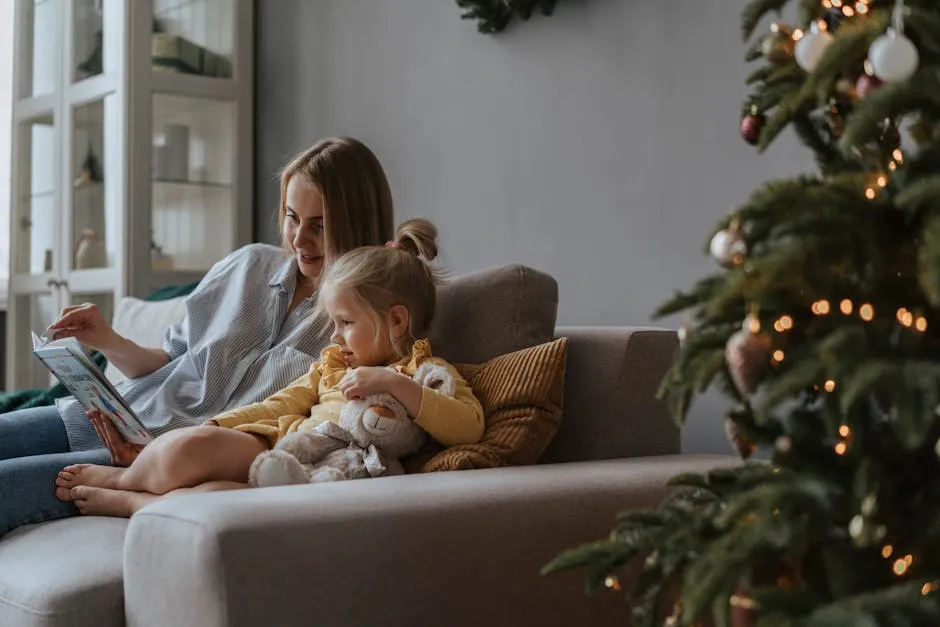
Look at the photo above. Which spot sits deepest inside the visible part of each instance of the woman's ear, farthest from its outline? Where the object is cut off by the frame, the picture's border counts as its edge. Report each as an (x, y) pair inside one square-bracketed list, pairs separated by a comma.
[(398, 321)]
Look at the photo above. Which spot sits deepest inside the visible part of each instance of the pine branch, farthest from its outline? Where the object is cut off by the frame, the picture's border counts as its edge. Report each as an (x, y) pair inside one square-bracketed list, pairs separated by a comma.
[(928, 258), (888, 101), (754, 12)]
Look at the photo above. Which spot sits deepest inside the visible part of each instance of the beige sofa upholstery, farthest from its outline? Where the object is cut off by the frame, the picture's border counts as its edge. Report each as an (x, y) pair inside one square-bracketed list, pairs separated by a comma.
[(459, 548)]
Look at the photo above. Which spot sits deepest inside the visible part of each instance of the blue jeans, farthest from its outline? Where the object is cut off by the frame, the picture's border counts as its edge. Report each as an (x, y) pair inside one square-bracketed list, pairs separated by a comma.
[(33, 449)]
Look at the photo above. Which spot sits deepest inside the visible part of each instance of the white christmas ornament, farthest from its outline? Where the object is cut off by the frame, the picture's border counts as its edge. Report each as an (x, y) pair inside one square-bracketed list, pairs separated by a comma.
[(893, 57), (811, 47)]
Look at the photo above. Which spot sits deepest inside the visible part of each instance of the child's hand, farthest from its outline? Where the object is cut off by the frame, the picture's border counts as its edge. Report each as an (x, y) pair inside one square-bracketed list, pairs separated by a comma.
[(367, 380)]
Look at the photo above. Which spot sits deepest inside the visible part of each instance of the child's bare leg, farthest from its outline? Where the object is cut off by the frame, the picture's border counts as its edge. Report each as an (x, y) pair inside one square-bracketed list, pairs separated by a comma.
[(179, 459), (95, 501)]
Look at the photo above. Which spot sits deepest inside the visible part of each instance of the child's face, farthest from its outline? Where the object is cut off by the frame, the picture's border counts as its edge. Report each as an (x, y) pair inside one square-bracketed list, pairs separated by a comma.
[(355, 332), (303, 226)]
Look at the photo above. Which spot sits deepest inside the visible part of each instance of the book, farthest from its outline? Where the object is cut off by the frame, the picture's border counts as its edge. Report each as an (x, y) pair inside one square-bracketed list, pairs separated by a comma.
[(66, 359)]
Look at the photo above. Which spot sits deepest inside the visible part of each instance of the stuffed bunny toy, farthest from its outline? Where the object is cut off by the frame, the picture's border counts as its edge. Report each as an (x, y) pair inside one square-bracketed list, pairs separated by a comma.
[(371, 436)]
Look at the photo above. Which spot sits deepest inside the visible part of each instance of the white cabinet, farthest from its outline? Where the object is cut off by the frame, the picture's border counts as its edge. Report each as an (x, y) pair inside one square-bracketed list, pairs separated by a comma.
[(132, 154)]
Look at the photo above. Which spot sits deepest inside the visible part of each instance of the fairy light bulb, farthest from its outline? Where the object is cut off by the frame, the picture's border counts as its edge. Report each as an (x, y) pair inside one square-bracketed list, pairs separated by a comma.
[(846, 306), (844, 431), (921, 324), (886, 551), (866, 312), (882, 181), (893, 166), (829, 386), (820, 307), (612, 582), (870, 193), (898, 155), (841, 448), (861, 8), (778, 355)]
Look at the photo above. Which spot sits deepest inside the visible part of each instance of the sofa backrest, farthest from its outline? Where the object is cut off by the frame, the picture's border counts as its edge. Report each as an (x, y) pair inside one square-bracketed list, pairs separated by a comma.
[(610, 409), (491, 312)]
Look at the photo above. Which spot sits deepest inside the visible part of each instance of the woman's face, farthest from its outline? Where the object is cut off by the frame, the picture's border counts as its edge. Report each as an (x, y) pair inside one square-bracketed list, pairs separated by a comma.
[(303, 226)]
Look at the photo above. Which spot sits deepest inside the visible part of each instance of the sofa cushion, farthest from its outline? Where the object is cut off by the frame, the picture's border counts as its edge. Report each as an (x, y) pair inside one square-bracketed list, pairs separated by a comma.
[(492, 312), (63, 573), (144, 322), (522, 394)]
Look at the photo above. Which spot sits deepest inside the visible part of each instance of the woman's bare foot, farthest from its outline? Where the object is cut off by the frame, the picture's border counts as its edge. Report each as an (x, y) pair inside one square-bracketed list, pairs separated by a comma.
[(86, 475), (95, 501)]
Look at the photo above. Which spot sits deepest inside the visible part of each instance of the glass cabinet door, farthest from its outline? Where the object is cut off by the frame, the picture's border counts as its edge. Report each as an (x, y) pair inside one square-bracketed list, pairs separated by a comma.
[(92, 241), (193, 147), (39, 73), (193, 37), (34, 313), (34, 226)]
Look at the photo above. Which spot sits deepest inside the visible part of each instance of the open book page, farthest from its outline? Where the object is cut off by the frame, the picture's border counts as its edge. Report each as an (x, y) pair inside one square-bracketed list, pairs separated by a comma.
[(66, 359)]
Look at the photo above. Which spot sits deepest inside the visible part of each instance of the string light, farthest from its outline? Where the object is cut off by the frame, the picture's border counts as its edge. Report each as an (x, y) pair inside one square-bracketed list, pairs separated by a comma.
[(612, 582), (778, 355), (921, 324), (820, 307), (892, 166), (905, 317), (866, 312), (753, 324), (870, 193), (898, 155), (861, 8), (798, 34), (841, 448), (829, 386), (929, 587), (785, 323), (836, 3), (827, 4), (844, 431), (886, 551), (882, 181), (848, 11), (846, 306)]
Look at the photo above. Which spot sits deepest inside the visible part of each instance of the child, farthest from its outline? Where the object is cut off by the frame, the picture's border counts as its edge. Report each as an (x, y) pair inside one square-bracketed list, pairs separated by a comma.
[(380, 300)]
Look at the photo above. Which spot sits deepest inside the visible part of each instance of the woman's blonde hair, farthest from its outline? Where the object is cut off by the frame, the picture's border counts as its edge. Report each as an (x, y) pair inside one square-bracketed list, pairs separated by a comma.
[(357, 201), (399, 273)]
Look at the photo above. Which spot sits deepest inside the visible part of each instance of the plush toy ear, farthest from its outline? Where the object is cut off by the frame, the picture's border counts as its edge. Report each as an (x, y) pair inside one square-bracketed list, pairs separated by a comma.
[(436, 377)]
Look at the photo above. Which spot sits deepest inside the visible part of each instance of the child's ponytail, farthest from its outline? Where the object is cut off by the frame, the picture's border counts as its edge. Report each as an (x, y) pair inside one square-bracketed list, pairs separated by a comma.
[(418, 237)]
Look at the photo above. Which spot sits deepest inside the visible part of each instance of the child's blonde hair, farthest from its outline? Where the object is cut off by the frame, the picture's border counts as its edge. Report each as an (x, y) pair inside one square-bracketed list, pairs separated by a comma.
[(399, 273), (357, 201)]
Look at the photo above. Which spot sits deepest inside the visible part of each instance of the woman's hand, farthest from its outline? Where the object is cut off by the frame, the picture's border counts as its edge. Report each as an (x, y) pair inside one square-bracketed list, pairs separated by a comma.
[(366, 380), (86, 324), (123, 453)]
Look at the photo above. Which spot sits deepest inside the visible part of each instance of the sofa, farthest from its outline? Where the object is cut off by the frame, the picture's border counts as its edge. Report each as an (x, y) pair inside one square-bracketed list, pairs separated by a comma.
[(441, 548)]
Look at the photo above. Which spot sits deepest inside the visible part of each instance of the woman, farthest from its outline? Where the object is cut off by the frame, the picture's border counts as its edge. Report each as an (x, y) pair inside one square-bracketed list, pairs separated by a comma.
[(247, 331)]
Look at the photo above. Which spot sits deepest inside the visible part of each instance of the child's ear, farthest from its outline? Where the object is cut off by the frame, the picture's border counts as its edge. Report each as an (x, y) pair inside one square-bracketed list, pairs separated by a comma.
[(398, 320)]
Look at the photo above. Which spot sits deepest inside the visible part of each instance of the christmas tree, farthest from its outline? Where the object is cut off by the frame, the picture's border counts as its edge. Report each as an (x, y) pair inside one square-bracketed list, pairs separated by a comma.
[(821, 325)]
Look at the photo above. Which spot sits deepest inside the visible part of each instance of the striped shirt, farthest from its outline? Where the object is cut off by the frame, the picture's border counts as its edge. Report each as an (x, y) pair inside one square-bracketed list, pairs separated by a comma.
[(236, 345)]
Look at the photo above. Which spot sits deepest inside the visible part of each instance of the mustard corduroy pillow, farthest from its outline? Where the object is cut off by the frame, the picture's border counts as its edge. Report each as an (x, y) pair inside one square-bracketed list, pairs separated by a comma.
[(522, 394)]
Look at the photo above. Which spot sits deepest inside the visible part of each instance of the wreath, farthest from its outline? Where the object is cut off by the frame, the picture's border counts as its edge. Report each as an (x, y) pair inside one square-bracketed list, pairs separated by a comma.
[(494, 15)]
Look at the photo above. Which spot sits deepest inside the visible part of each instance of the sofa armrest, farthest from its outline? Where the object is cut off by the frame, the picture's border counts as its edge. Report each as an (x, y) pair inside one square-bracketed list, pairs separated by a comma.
[(611, 410), (449, 548)]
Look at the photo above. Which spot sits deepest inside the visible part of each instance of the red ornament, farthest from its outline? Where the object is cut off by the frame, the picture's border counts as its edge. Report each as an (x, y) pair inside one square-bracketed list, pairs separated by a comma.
[(751, 127), (867, 84)]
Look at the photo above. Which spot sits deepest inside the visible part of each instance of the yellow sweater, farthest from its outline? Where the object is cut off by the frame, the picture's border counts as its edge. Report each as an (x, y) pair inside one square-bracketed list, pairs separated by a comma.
[(314, 398)]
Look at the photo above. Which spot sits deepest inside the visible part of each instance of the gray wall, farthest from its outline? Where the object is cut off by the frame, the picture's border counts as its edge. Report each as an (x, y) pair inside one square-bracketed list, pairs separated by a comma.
[(600, 145)]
